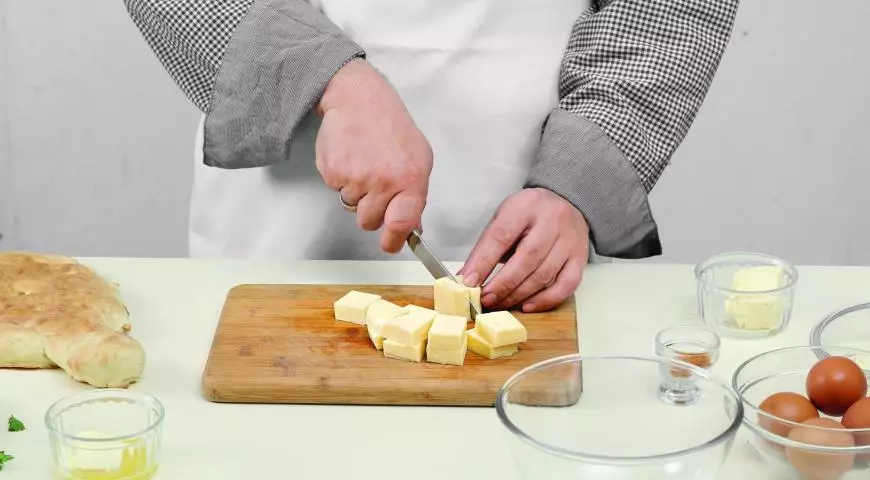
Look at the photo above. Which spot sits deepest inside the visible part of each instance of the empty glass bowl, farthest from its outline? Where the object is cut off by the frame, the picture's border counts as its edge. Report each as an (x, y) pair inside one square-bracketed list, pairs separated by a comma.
[(745, 294), (849, 327), (109, 434), (815, 452), (601, 417)]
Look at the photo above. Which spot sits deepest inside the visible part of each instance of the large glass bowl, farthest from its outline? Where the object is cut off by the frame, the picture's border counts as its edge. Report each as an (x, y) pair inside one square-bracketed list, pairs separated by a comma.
[(604, 418), (785, 370), (849, 327)]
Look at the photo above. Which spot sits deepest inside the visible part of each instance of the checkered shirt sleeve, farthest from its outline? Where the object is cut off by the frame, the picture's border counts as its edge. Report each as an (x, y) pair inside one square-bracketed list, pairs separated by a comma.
[(189, 38)]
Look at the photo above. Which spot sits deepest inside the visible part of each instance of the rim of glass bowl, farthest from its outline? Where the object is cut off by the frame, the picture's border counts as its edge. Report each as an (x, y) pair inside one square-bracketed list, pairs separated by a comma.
[(819, 329), (704, 265), (104, 394), (501, 399), (750, 407)]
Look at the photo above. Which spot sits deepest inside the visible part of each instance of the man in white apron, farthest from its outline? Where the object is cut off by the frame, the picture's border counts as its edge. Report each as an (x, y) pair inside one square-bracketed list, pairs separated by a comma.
[(521, 150)]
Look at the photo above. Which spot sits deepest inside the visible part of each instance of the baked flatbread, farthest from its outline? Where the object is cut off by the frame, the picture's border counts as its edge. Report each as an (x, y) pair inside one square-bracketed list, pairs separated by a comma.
[(56, 312)]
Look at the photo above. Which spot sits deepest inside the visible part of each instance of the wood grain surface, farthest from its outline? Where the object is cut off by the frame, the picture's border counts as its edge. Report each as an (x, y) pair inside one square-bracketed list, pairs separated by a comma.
[(282, 344)]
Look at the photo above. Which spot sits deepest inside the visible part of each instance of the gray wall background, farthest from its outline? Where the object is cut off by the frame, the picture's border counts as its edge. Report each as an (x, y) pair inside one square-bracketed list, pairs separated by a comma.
[(96, 142)]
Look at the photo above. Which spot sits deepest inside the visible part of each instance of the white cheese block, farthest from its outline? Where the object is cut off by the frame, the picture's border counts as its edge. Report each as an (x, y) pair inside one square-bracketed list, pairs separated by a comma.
[(478, 345), (401, 351), (500, 328), (473, 293), (448, 356), (353, 305), (409, 329), (451, 298), (384, 310), (447, 332), (755, 311)]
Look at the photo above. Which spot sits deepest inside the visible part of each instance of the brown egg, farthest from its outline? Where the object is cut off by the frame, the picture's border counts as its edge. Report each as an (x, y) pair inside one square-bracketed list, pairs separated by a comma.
[(858, 416), (787, 406), (821, 465), (834, 384)]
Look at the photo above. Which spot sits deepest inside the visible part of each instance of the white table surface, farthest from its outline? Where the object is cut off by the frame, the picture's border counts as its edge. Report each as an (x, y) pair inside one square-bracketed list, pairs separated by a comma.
[(175, 306)]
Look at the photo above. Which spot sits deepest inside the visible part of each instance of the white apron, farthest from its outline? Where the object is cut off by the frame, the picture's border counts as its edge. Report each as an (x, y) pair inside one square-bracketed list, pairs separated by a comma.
[(479, 78)]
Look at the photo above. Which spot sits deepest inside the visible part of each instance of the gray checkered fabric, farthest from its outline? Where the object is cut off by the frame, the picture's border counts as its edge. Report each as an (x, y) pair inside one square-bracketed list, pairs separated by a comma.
[(189, 37), (634, 75)]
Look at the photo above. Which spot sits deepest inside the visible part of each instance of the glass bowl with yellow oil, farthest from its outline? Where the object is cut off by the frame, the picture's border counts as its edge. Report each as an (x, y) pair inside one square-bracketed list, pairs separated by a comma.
[(106, 434)]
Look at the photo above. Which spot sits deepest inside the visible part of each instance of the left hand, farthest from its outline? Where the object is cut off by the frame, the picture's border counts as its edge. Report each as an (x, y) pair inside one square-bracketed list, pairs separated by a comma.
[(544, 242)]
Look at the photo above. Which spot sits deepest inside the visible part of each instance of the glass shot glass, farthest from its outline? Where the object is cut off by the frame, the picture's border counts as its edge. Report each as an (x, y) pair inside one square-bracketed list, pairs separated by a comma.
[(695, 345), (107, 434)]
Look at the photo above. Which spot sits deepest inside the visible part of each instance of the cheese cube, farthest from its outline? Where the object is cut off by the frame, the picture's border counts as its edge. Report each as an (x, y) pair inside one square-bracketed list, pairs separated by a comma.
[(384, 310), (451, 298), (500, 328), (401, 351), (375, 327), (450, 356), (353, 305), (414, 308), (473, 293), (755, 311), (409, 329), (478, 345), (447, 332)]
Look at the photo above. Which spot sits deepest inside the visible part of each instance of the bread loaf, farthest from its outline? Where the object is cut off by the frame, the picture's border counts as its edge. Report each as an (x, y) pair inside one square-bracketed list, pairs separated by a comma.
[(55, 312)]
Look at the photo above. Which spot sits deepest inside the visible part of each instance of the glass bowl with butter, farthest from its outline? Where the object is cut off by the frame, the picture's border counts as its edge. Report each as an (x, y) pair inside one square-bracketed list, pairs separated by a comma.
[(106, 434), (744, 294), (601, 417)]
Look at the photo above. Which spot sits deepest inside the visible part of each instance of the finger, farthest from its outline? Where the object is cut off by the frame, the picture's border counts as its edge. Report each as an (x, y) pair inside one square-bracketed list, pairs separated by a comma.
[(371, 209), (351, 195), (502, 233), (401, 216), (542, 277), (531, 251), (565, 285)]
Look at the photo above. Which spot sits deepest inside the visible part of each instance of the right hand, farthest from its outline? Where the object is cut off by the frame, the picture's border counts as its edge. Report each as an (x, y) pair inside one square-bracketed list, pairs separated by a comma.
[(369, 149)]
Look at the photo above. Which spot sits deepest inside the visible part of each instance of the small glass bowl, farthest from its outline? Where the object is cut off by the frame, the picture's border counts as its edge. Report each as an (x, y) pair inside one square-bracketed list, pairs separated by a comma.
[(785, 370), (600, 417), (106, 433), (686, 343), (740, 312)]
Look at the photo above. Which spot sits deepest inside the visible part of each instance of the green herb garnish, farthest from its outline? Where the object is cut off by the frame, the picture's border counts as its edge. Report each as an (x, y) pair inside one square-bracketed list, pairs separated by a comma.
[(4, 458), (15, 425)]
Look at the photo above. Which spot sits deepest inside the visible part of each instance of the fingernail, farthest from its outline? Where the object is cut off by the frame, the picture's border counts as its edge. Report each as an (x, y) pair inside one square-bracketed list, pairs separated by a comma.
[(489, 299), (471, 279), (528, 307)]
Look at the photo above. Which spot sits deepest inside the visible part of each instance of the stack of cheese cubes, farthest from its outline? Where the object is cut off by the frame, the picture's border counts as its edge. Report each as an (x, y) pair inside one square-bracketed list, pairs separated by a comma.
[(412, 332)]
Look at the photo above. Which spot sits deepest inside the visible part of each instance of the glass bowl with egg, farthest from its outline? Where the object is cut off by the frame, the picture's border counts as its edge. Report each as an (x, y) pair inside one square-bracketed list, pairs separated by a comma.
[(106, 434), (602, 417), (744, 294), (808, 411)]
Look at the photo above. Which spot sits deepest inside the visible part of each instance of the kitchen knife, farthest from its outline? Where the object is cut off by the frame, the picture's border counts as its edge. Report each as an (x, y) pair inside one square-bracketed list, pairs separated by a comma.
[(435, 266)]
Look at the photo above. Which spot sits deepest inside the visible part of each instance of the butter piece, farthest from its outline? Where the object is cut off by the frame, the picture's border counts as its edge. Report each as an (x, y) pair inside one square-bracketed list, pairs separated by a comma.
[(384, 310), (375, 326), (409, 329), (755, 311), (353, 305), (451, 298), (478, 345), (449, 356), (447, 332), (401, 351), (415, 308), (500, 328), (473, 292)]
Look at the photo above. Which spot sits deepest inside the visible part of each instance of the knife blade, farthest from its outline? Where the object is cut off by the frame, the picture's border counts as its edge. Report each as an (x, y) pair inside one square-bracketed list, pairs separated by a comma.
[(436, 267)]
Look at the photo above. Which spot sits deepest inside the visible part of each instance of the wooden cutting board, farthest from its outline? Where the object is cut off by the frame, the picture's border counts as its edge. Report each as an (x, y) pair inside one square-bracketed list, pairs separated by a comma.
[(282, 344)]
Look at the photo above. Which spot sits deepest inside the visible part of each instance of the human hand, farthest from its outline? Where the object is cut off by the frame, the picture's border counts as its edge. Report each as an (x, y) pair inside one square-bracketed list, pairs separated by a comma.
[(369, 149), (544, 242)]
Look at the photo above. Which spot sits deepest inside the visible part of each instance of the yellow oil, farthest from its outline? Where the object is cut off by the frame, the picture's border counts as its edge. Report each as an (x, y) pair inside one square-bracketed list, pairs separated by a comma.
[(134, 465)]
